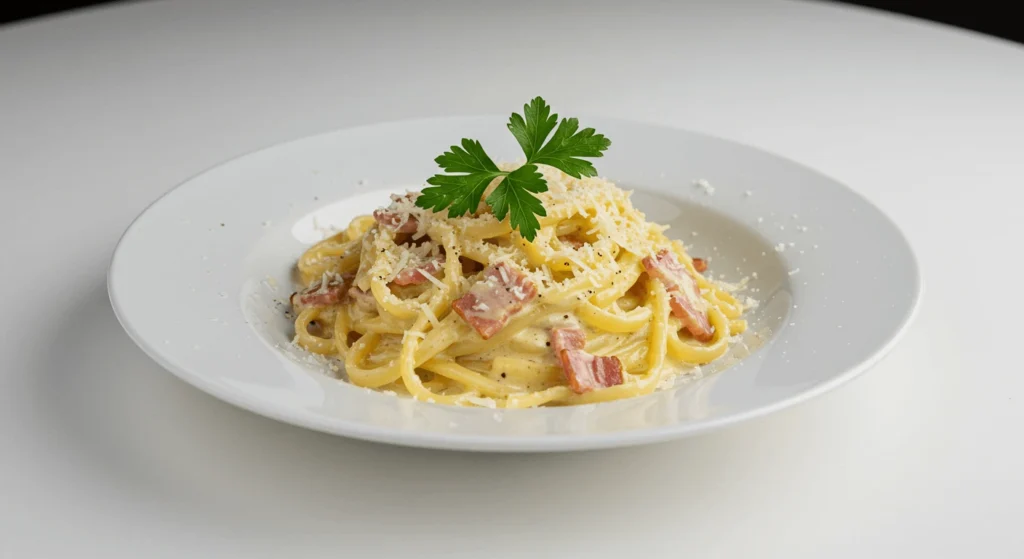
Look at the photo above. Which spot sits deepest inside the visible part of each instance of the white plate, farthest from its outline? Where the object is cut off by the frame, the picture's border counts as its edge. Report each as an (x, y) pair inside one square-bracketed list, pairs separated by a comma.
[(200, 278)]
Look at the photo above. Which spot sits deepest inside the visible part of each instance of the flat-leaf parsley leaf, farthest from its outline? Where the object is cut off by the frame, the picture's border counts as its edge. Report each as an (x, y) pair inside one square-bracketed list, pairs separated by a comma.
[(513, 194)]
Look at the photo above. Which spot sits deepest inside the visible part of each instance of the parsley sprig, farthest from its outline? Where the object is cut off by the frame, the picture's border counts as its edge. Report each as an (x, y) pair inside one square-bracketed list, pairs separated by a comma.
[(470, 170)]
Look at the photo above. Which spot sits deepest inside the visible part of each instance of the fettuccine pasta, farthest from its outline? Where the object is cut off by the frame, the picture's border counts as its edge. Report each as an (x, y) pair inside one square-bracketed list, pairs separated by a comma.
[(600, 306)]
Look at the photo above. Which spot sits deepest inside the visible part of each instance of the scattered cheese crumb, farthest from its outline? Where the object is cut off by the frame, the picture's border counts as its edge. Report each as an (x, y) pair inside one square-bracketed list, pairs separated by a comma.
[(705, 186), (780, 247), (482, 402), (794, 271), (748, 193)]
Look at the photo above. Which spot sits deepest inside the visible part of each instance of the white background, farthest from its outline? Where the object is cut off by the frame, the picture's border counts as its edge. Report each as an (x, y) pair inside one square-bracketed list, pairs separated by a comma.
[(105, 454)]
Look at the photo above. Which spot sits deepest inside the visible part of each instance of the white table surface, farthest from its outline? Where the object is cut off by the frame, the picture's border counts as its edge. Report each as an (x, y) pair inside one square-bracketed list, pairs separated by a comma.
[(107, 455)]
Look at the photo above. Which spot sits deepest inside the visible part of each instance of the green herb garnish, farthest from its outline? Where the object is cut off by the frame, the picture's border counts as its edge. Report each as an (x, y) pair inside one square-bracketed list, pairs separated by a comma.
[(514, 194)]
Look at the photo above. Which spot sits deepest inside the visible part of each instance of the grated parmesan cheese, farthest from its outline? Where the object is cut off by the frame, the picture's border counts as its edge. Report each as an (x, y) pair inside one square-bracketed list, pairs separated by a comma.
[(403, 262), (583, 267), (429, 313), (517, 291), (437, 283)]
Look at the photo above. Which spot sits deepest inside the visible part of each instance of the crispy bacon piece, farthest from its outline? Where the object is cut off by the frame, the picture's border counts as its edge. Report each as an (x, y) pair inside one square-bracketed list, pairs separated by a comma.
[(400, 223), (685, 299), (502, 292), (700, 265), (320, 295), (390, 217), (585, 372), (694, 318), (415, 275), (567, 338)]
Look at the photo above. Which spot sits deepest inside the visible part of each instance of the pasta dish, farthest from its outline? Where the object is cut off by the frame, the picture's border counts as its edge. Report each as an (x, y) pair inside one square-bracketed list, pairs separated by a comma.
[(600, 305)]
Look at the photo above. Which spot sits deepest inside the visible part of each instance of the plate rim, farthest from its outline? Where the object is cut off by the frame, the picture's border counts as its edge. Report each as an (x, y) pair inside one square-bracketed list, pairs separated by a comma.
[(521, 443)]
